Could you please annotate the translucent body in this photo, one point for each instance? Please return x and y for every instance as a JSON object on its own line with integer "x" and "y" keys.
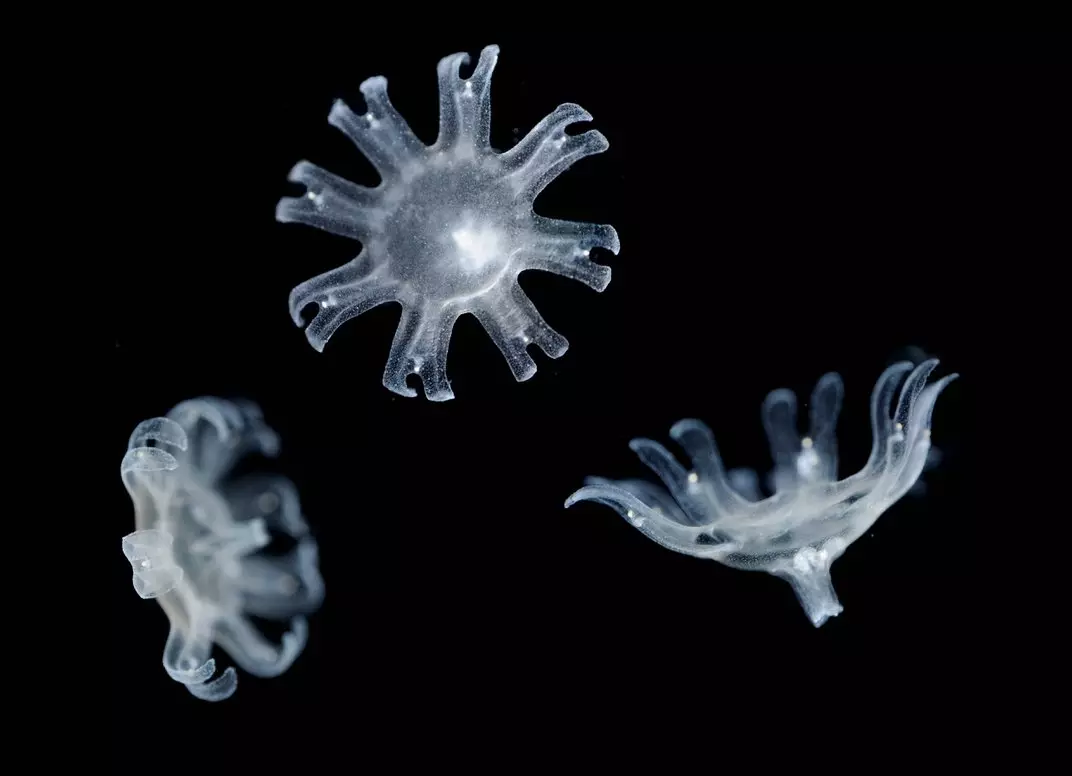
{"x": 196, "y": 546}
{"x": 798, "y": 532}
{"x": 449, "y": 228}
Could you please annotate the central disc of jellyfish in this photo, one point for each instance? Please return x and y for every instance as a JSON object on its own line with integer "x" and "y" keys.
{"x": 449, "y": 228}
{"x": 448, "y": 237}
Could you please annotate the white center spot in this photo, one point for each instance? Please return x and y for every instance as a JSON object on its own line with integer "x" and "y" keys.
{"x": 476, "y": 247}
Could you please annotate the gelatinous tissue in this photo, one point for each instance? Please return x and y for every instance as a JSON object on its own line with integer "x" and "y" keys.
{"x": 200, "y": 540}
{"x": 812, "y": 517}
{"x": 448, "y": 229}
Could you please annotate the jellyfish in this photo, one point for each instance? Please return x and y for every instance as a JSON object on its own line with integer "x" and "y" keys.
{"x": 201, "y": 544}
{"x": 812, "y": 517}
{"x": 448, "y": 229}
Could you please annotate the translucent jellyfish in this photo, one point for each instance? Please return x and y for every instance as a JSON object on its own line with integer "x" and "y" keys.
{"x": 196, "y": 546}
{"x": 800, "y": 530}
{"x": 449, "y": 228}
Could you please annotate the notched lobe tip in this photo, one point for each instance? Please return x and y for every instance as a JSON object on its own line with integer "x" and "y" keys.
{"x": 149, "y": 553}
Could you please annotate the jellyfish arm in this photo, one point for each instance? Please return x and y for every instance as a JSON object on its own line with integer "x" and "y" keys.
{"x": 448, "y": 229}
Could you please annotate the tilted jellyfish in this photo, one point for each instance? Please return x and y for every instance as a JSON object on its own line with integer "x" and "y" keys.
{"x": 449, "y": 228}
{"x": 196, "y": 546}
{"x": 799, "y": 531}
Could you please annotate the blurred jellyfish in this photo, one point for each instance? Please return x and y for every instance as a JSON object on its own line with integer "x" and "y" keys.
{"x": 198, "y": 534}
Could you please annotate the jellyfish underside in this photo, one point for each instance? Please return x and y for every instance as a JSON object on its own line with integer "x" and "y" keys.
{"x": 812, "y": 517}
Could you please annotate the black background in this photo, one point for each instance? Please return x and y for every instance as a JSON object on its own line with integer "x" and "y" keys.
{"x": 781, "y": 213}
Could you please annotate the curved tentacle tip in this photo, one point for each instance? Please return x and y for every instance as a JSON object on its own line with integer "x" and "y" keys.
{"x": 376, "y": 85}
{"x": 685, "y": 425}
{"x": 604, "y": 281}
{"x": 640, "y": 445}
{"x": 460, "y": 59}
{"x": 582, "y": 494}
{"x": 396, "y": 383}
{"x": 339, "y": 109}
{"x": 148, "y": 459}
{"x": 294, "y": 307}
{"x": 191, "y": 673}
{"x": 452, "y": 64}
{"x": 489, "y": 58}
{"x": 297, "y": 173}
{"x": 140, "y": 458}
{"x": 400, "y": 388}
{"x": 317, "y": 342}
{"x": 596, "y": 142}
{"x": 613, "y": 243}
{"x": 572, "y": 112}
{"x": 219, "y": 689}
